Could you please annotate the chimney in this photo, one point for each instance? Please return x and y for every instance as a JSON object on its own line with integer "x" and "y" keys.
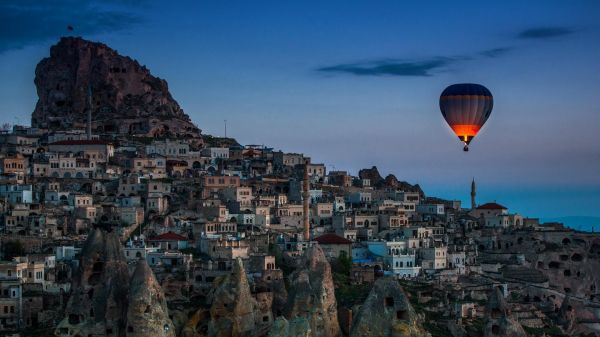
{"x": 305, "y": 201}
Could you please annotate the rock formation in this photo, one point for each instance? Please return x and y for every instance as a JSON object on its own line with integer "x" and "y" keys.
{"x": 126, "y": 98}
{"x": 297, "y": 327}
{"x": 499, "y": 320}
{"x": 147, "y": 314}
{"x": 98, "y": 302}
{"x": 569, "y": 265}
{"x": 102, "y": 303}
{"x": 372, "y": 174}
{"x": 566, "y": 315}
{"x": 232, "y": 308}
{"x": 311, "y": 295}
{"x": 386, "y": 312}
{"x": 390, "y": 181}
{"x": 232, "y": 312}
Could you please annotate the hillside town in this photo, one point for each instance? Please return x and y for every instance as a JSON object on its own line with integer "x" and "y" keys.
{"x": 133, "y": 225}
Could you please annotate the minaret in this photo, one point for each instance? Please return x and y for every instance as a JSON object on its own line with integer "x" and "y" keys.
{"x": 473, "y": 193}
{"x": 305, "y": 200}
{"x": 89, "y": 114}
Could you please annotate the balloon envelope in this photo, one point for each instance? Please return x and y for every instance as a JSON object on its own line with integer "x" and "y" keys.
{"x": 466, "y": 107}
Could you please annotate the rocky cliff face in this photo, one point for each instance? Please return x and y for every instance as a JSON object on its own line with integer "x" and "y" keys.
{"x": 233, "y": 307}
{"x": 297, "y": 327}
{"x": 102, "y": 302}
{"x": 499, "y": 320}
{"x": 372, "y": 174}
{"x": 390, "y": 180}
{"x": 126, "y": 98}
{"x": 311, "y": 295}
{"x": 147, "y": 314}
{"x": 232, "y": 312}
{"x": 386, "y": 312}
{"x": 98, "y": 302}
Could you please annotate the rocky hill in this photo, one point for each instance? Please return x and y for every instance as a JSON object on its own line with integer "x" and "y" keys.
{"x": 389, "y": 181}
{"x": 125, "y": 97}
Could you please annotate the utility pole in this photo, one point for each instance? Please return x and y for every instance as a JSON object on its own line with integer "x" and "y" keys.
{"x": 225, "y": 128}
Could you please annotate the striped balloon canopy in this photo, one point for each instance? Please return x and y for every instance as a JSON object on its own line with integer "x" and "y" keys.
{"x": 466, "y": 107}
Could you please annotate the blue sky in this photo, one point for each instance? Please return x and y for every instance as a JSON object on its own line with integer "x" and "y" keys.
{"x": 357, "y": 83}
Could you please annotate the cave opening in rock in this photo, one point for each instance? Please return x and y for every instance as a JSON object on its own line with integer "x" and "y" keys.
{"x": 389, "y": 301}
{"x": 554, "y": 264}
{"x": 576, "y": 257}
{"x": 73, "y": 319}
{"x": 97, "y": 267}
{"x": 402, "y": 314}
{"x": 564, "y": 257}
{"x": 495, "y": 329}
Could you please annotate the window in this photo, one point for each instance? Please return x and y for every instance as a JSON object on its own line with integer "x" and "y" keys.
{"x": 389, "y": 301}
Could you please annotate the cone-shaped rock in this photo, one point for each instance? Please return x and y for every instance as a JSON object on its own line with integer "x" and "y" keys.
{"x": 499, "y": 320}
{"x": 386, "y": 312}
{"x": 312, "y": 295}
{"x": 98, "y": 302}
{"x": 147, "y": 314}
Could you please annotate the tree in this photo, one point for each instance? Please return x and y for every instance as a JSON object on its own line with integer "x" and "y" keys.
{"x": 343, "y": 264}
{"x": 12, "y": 249}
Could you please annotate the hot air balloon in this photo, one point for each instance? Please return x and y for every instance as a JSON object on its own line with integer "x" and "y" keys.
{"x": 466, "y": 107}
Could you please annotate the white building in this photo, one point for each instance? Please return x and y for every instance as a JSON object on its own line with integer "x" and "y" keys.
{"x": 398, "y": 257}
{"x": 168, "y": 148}
{"x": 431, "y": 209}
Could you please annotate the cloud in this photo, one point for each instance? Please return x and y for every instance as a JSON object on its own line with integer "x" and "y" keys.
{"x": 391, "y": 67}
{"x": 495, "y": 52}
{"x": 27, "y": 22}
{"x": 545, "y": 32}
{"x": 432, "y": 66}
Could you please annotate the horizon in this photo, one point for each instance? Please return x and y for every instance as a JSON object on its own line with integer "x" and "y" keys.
{"x": 356, "y": 86}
